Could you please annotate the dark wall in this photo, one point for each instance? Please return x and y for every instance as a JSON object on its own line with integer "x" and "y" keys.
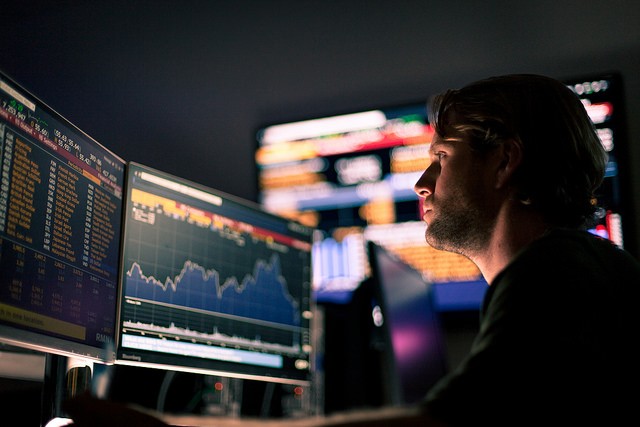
{"x": 182, "y": 86}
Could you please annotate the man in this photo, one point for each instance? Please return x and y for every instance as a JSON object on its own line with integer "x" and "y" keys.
{"x": 515, "y": 167}
{"x": 515, "y": 164}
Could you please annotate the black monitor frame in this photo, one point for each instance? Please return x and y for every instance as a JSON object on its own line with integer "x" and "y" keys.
{"x": 413, "y": 348}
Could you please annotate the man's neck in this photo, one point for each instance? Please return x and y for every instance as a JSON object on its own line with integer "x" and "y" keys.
{"x": 515, "y": 229}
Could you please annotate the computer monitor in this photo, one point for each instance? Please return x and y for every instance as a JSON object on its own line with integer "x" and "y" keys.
{"x": 60, "y": 224}
{"x": 414, "y": 350}
{"x": 212, "y": 283}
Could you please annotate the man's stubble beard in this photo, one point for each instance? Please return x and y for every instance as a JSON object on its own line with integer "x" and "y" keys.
{"x": 461, "y": 230}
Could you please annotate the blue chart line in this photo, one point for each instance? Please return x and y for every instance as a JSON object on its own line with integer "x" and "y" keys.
{"x": 262, "y": 295}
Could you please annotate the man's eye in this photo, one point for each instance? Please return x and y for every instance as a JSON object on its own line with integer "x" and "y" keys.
{"x": 439, "y": 155}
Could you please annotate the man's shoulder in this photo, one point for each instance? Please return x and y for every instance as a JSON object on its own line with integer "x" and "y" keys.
{"x": 565, "y": 244}
{"x": 573, "y": 256}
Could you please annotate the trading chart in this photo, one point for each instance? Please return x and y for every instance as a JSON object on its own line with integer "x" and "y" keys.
{"x": 203, "y": 274}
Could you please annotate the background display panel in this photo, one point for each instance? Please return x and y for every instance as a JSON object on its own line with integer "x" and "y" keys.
{"x": 60, "y": 224}
{"x": 352, "y": 176}
{"x": 212, "y": 283}
{"x": 602, "y": 96}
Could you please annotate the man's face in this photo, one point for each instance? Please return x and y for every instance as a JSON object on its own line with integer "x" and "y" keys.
{"x": 456, "y": 203}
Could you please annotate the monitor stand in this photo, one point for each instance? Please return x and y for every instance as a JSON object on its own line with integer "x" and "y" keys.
{"x": 64, "y": 378}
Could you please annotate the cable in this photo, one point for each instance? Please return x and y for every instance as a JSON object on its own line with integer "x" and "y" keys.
{"x": 164, "y": 388}
{"x": 266, "y": 401}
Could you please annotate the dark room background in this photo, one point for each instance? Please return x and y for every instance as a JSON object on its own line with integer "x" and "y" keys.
{"x": 182, "y": 86}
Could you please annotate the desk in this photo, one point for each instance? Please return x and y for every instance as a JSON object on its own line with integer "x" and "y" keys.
{"x": 385, "y": 417}
{"x": 90, "y": 412}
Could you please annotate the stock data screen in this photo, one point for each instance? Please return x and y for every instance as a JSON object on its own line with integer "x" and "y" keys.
{"x": 60, "y": 220}
{"x": 212, "y": 283}
{"x": 602, "y": 97}
{"x": 352, "y": 176}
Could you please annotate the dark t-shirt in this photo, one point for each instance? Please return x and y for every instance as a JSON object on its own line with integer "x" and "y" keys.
{"x": 557, "y": 340}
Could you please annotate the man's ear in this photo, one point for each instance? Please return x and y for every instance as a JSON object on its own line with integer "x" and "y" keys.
{"x": 511, "y": 153}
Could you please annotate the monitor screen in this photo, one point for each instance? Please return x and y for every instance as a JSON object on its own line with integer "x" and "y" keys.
{"x": 603, "y": 98}
{"x": 60, "y": 224}
{"x": 352, "y": 176}
{"x": 415, "y": 357}
{"x": 212, "y": 283}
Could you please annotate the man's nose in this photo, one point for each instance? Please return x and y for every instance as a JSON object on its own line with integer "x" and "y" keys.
{"x": 424, "y": 185}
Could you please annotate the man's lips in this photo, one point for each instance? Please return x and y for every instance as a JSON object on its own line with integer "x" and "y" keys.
{"x": 425, "y": 208}
{"x": 426, "y": 212}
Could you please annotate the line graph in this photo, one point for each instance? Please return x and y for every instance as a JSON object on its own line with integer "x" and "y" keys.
{"x": 261, "y": 295}
{"x": 201, "y": 276}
